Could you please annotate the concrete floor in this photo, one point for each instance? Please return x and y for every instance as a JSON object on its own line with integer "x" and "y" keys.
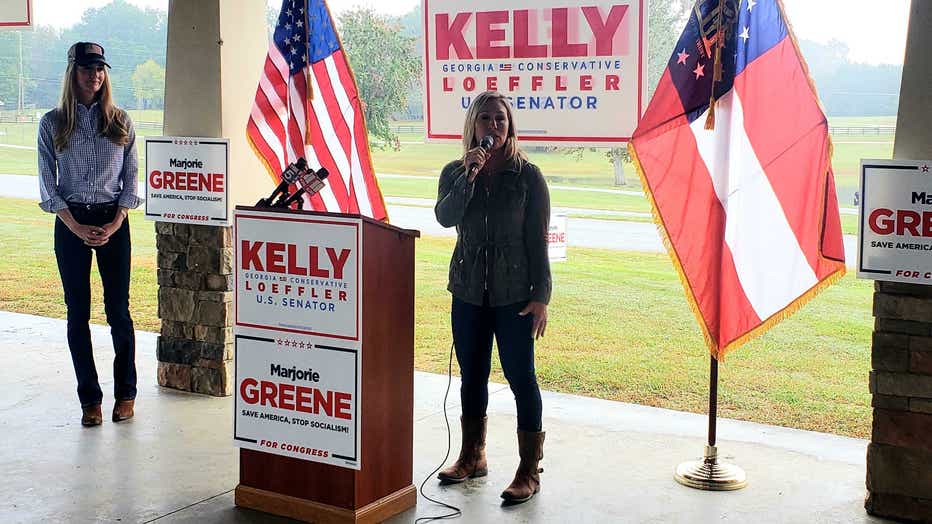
{"x": 175, "y": 462}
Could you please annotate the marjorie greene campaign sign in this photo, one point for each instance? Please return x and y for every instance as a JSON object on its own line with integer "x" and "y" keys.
{"x": 895, "y": 222}
{"x": 187, "y": 180}
{"x": 298, "y": 343}
{"x": 575, "y": 74}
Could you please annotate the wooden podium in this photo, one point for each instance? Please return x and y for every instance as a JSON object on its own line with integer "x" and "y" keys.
{"x": 325, "y": 493}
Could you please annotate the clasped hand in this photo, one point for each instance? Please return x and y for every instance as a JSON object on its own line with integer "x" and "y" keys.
{"x": 95, "y": 236}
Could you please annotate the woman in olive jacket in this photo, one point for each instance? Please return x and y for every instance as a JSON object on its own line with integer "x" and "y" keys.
{"x": 500, "y": 281}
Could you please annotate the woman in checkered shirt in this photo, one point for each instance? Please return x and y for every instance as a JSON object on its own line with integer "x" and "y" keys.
{"x": 87, "y": 177}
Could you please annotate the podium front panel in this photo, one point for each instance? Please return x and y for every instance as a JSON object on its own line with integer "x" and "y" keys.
{"x": 314, "y": 488}
{"x": 298, "y": 326}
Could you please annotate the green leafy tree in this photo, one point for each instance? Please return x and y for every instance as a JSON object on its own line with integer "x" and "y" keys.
{"x": 149, "y": 85}
{"x": 851, "y": 89}
{"x": 412, "y": 25}
{"x": 41, "y": 85}
{"x": 385, "y": 63}
{"x": 664, "y": 24}
{"x": 130, "y": 36}
{"x": 9, "y": 69}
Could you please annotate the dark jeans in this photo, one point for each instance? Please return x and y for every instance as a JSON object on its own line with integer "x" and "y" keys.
{"x": 473, "y": 328}
{"x": 74, "y": 266}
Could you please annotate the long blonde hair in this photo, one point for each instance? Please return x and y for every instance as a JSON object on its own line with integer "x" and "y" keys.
{"x": 510, "y": 149}
{"x": 113, "y": 121}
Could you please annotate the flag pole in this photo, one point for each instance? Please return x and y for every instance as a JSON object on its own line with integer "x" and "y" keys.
{"x": 709, "y": 473}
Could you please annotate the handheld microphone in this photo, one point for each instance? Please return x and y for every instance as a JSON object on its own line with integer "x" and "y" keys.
{"x": 311, "y": 183}
{"x": 486, "y": 144}
{"x": 289, "y": 176}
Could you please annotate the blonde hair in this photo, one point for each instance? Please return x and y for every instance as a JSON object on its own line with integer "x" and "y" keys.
{"x": 510, "y": 149}
{"x": 113, "y": 122}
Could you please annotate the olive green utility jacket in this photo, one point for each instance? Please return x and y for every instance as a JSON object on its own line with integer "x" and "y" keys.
{"x": 501, "y": 224}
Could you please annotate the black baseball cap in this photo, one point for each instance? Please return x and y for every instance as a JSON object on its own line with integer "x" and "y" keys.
{"x": 87, "y": 53}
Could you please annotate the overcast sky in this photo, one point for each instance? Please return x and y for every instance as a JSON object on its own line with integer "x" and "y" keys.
{"x": 875, "y": 32}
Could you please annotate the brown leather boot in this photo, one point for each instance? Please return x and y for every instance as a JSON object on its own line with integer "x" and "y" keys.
{"x": 471, "y": 462}
{"x": 527, "y": 478}
{"x": 91, "y": 416}
{"x": 123, "y": 410}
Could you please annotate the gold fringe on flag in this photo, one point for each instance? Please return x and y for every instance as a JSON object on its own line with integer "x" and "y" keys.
{"x": 273, "y": 174}
{"x": 356, "y": 100}
{"x": 719, "y": 352}
{"x": 805, "y": 67}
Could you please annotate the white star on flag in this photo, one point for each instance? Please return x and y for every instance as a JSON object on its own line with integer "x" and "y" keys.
{"x": 751, "y": 4}
{"x": 744, "y": 34}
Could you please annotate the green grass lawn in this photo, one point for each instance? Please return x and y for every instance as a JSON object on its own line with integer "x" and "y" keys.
{"x": 589, "y": 170}
{"x": 619, "y": 329}
{"x": 862, "y": 121}
{"x": 23, "y": 161}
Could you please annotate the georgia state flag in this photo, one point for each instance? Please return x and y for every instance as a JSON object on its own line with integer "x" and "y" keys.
{"x": 748, "y": 207}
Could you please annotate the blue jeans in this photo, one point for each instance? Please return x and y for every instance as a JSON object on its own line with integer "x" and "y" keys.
{"x": 473, "y": 328}
{"x": 113, "y": 263}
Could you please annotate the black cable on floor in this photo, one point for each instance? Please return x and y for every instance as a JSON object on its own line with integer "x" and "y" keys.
{"x": 457, "y": 512}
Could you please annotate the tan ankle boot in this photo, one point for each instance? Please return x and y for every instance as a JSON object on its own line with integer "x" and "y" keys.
{"x": 123, "y": 410}
{"x": 91, "y": 416}
{"x": 471, "y": 462}
{"x": 527, "y": 479}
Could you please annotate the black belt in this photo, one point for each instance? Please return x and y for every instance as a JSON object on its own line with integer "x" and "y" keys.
{"x": 94, "y": 208}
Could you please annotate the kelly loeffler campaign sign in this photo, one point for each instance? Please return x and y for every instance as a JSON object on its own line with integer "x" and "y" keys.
{"x": 15, "y": 14}
{"x": 187, "y": 180}
{"x": 298, "y": 344}
{"x": 576, "y": 73}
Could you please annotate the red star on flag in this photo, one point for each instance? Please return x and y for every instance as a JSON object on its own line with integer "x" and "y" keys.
{"x": 699, "y": 71}
{"x": 682, "y": 56}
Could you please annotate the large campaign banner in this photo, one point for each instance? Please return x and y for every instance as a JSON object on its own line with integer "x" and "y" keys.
{"x": 15, "y": 14}
{"x": 298, "y": 335}
{"x": 187, "y": 180}
{"x": 895, "y": 226}
{"x": 576, "y": 73}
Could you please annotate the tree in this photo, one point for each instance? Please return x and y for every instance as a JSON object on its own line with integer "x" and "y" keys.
{"x": 130, "y": 36}
{"x": 385, "y": 63}
{"x": 149, "y": 85}
{"x": 848, "y": 88}
{"x": 9, "y": 68}
{"x": 41, "y": 77}
{"x": 412, "y": 25}
{"x": 664, "y": 24}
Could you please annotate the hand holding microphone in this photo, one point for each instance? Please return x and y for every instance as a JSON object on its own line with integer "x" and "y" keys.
{"x": 478, "y": 156}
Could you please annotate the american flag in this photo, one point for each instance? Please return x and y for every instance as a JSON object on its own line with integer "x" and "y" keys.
{"x": 307, "y": 105}
{"x": 746, "y": 199}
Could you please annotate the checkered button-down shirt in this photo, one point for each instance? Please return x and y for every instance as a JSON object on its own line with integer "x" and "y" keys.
{"x": 91, "y": 170}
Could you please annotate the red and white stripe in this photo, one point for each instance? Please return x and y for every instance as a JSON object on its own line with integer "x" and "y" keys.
{"x": 745, "y": 205}
{"x": 284, "y": 113}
